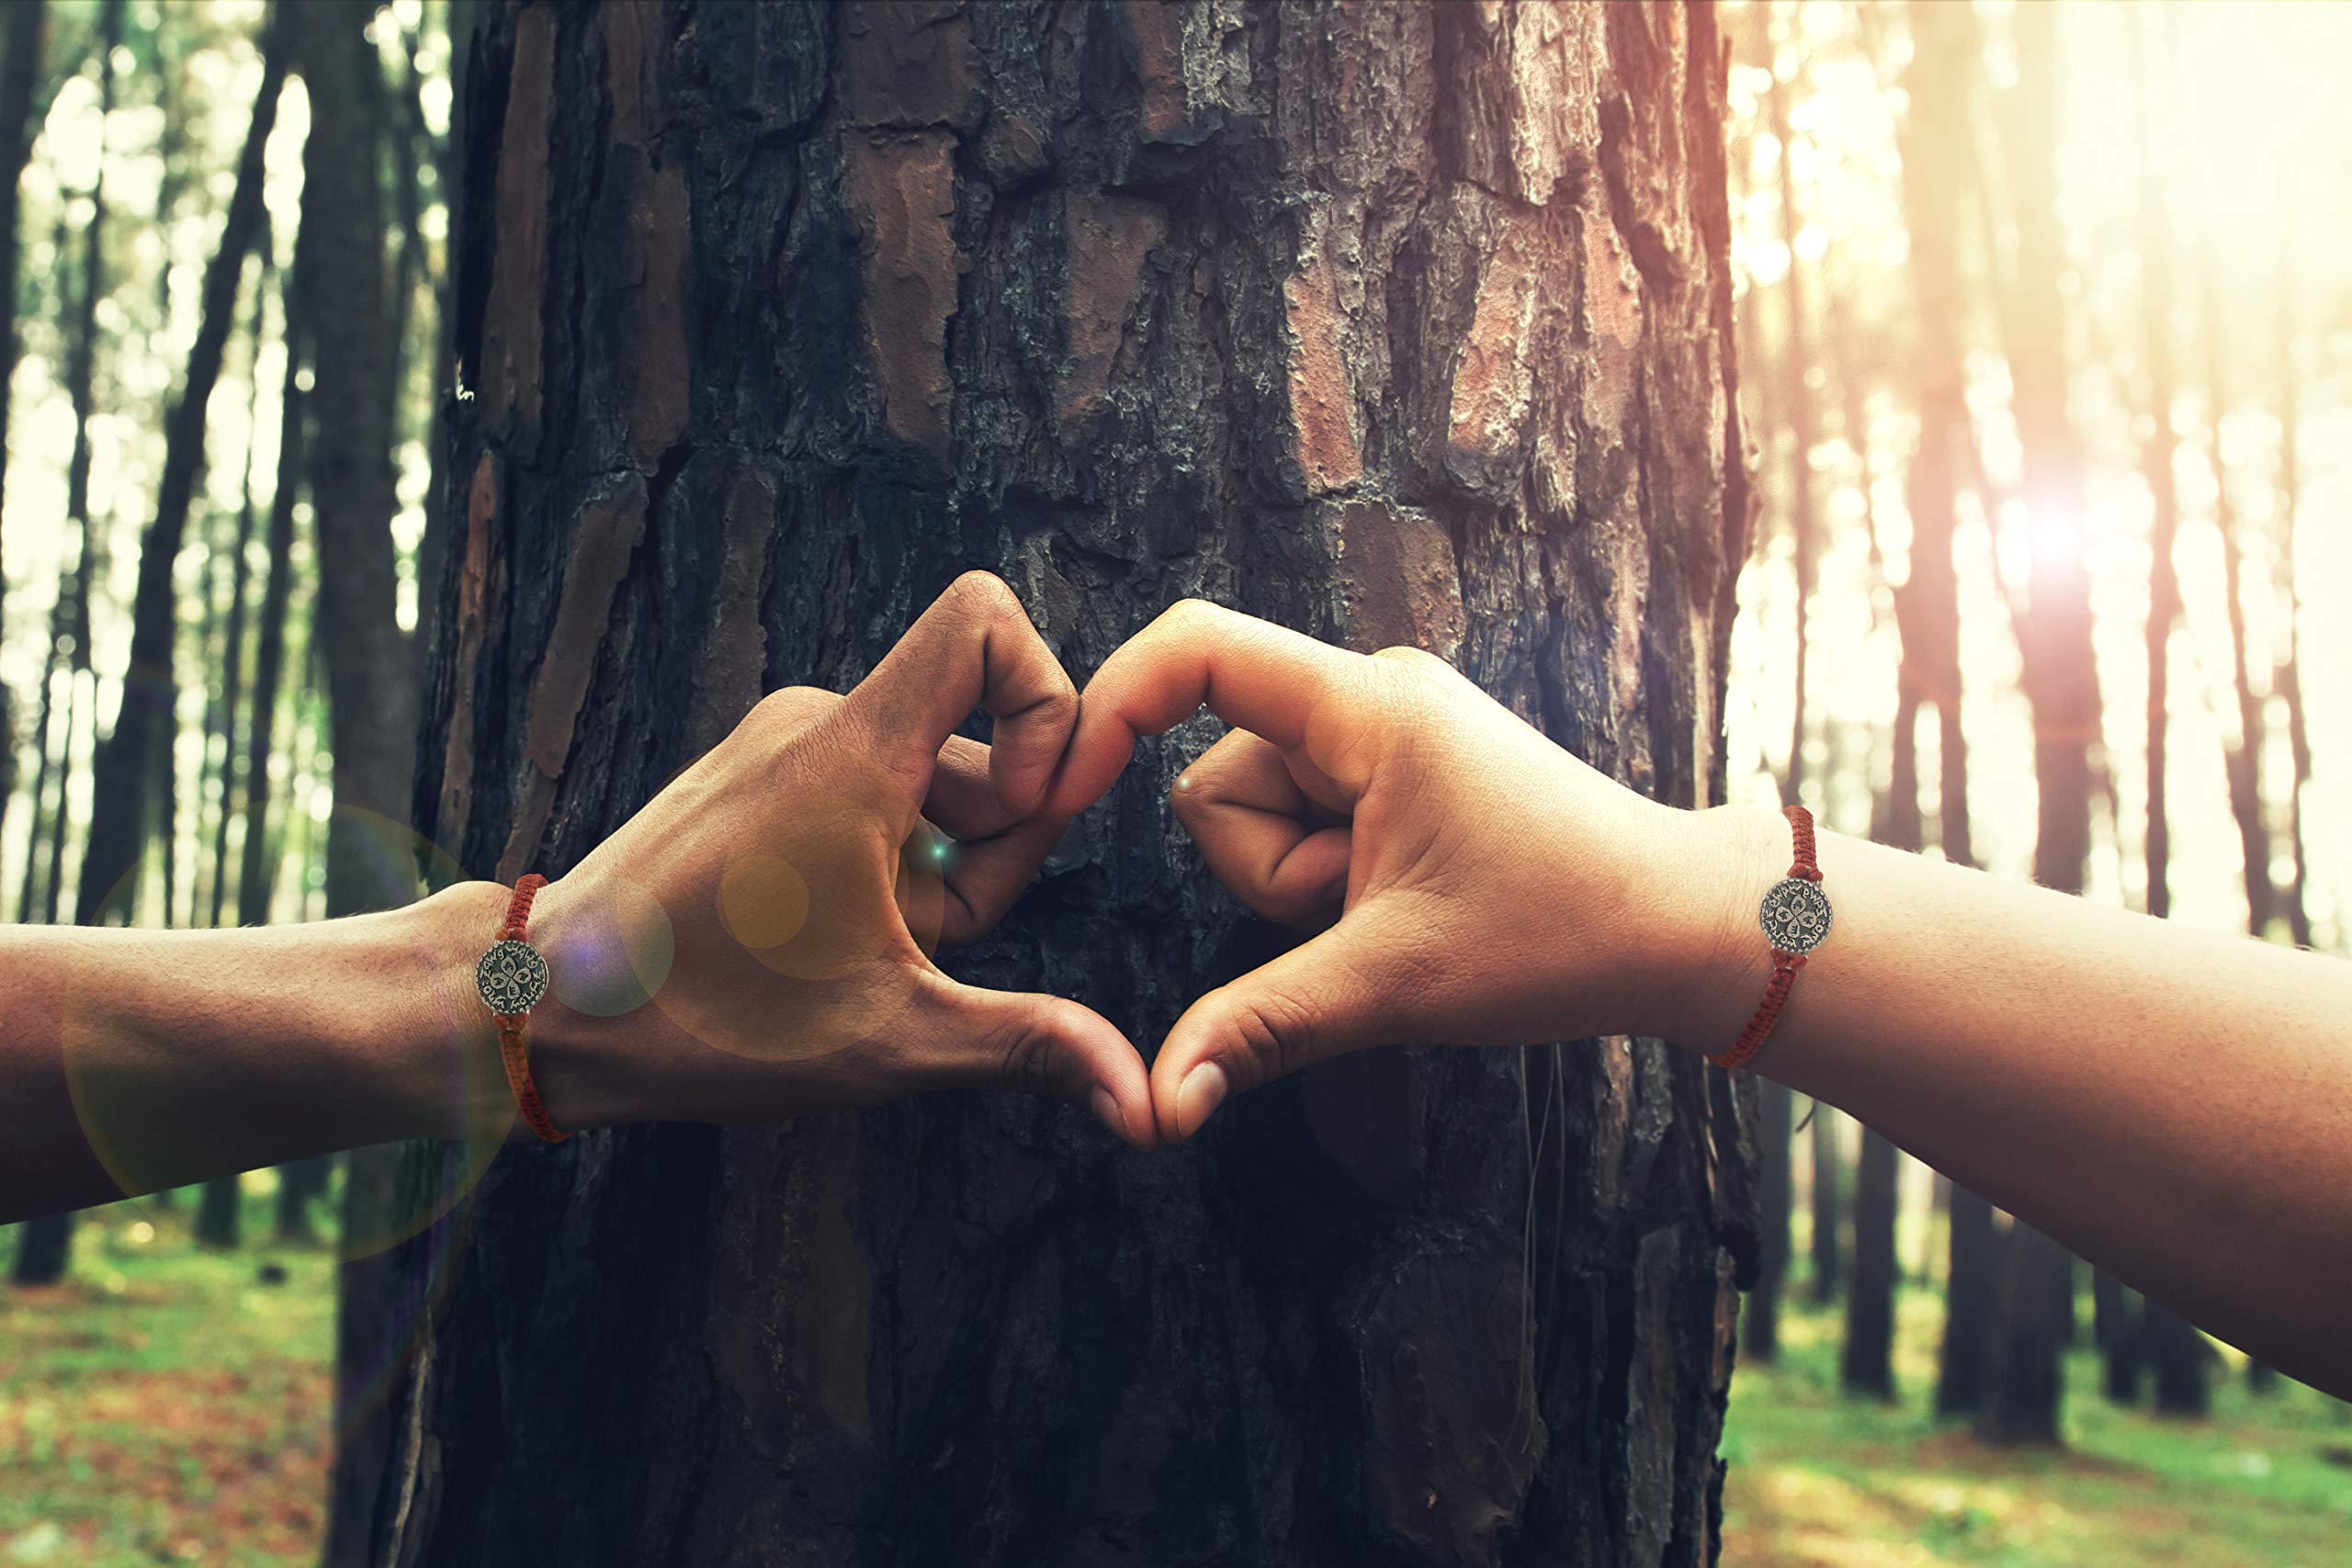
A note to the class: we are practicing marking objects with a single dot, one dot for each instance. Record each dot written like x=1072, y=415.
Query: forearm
x=2175, y=1105
x=146, y=1059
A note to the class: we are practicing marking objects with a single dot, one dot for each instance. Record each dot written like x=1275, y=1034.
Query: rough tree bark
x=2011, y=1296
x=1397, y=323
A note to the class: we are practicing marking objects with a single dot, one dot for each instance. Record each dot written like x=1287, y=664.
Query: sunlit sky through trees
x=2248, y=124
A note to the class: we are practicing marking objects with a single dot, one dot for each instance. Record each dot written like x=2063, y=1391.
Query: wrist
x=587, y=1061
x=585, y=1074
x=1714, y=867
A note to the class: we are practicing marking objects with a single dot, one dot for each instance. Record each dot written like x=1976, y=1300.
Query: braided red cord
x=1784, y=964
x=514, y=1049
x=518, y=907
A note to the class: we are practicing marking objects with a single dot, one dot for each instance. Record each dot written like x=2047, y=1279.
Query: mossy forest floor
x=1821, y=1481
x=171, y=1405
x=168, y=1405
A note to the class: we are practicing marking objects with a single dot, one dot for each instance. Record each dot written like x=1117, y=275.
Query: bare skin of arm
x=754, y=945
x=2175, y=1106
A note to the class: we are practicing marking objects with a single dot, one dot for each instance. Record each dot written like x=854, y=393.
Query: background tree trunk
x=124, y=767
x=2019, y=1299
x=45, y=1245
x=219, y=1214
x=2288, y=683
x=1396, y=324
x=1866, y=1358
x=1829, y=1210
x=1761, y=1318
x=2176, y=1353
x=22, y=55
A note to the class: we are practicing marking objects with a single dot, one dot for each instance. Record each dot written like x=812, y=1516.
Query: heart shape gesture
x=778, y=903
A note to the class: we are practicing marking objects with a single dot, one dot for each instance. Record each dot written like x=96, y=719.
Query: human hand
x=1479, y=884
x=755, y=942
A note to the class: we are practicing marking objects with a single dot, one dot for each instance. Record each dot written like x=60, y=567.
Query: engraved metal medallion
x=1795, y=915
x=512, y=977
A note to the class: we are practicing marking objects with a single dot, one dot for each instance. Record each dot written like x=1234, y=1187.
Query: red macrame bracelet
x=1795, y=917
x=512, y=977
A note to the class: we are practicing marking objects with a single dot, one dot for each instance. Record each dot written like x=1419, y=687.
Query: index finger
x=974, y=648
x=1252, y=673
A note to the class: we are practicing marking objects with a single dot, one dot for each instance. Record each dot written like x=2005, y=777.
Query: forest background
x=2045, y=345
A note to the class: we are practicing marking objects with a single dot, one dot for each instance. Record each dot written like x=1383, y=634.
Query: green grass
x=1817, y=1478
x=165, y=1404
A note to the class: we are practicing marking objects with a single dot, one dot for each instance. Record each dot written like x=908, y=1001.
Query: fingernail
x=1107, y=1111
x=1202, y=1091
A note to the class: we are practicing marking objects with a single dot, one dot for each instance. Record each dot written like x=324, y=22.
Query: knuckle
x=1276, y=1037
x=1025, y=1059
x=790, y=706
x=1410, y=656
x=1190, y=615
x=986, y=597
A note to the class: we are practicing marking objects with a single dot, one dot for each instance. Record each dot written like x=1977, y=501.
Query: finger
x=1261, y=834
x=974, y=648
x=1330, y=995
x=1252, y=673
x=962, y=800
x=1053, y=1046
x=990, y=856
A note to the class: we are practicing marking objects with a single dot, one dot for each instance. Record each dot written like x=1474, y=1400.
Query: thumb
x=1051, y=1046
x=1323, y=999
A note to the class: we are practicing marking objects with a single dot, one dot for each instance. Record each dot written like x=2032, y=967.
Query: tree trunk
x=2115, y=1326
x=1397, y=323
x=1760, y=1317
x=256, y=875
x=371, y=699
x=2288, y=683
x=1972, y=1292
x=2242, y=762
x=123, y=767
x=1796, y=399
x=371, y=692
x=2175, y=1352
x=45, y=1245
x=1927, y=605
x=219, y=1214
x=22, y=48
x=1866, y=1365
x=232, y=664
x=2061, y=681
x=1828, y=1209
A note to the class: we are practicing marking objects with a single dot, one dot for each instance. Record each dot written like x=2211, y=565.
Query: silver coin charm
x=1795, y=915
x=512, y=977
